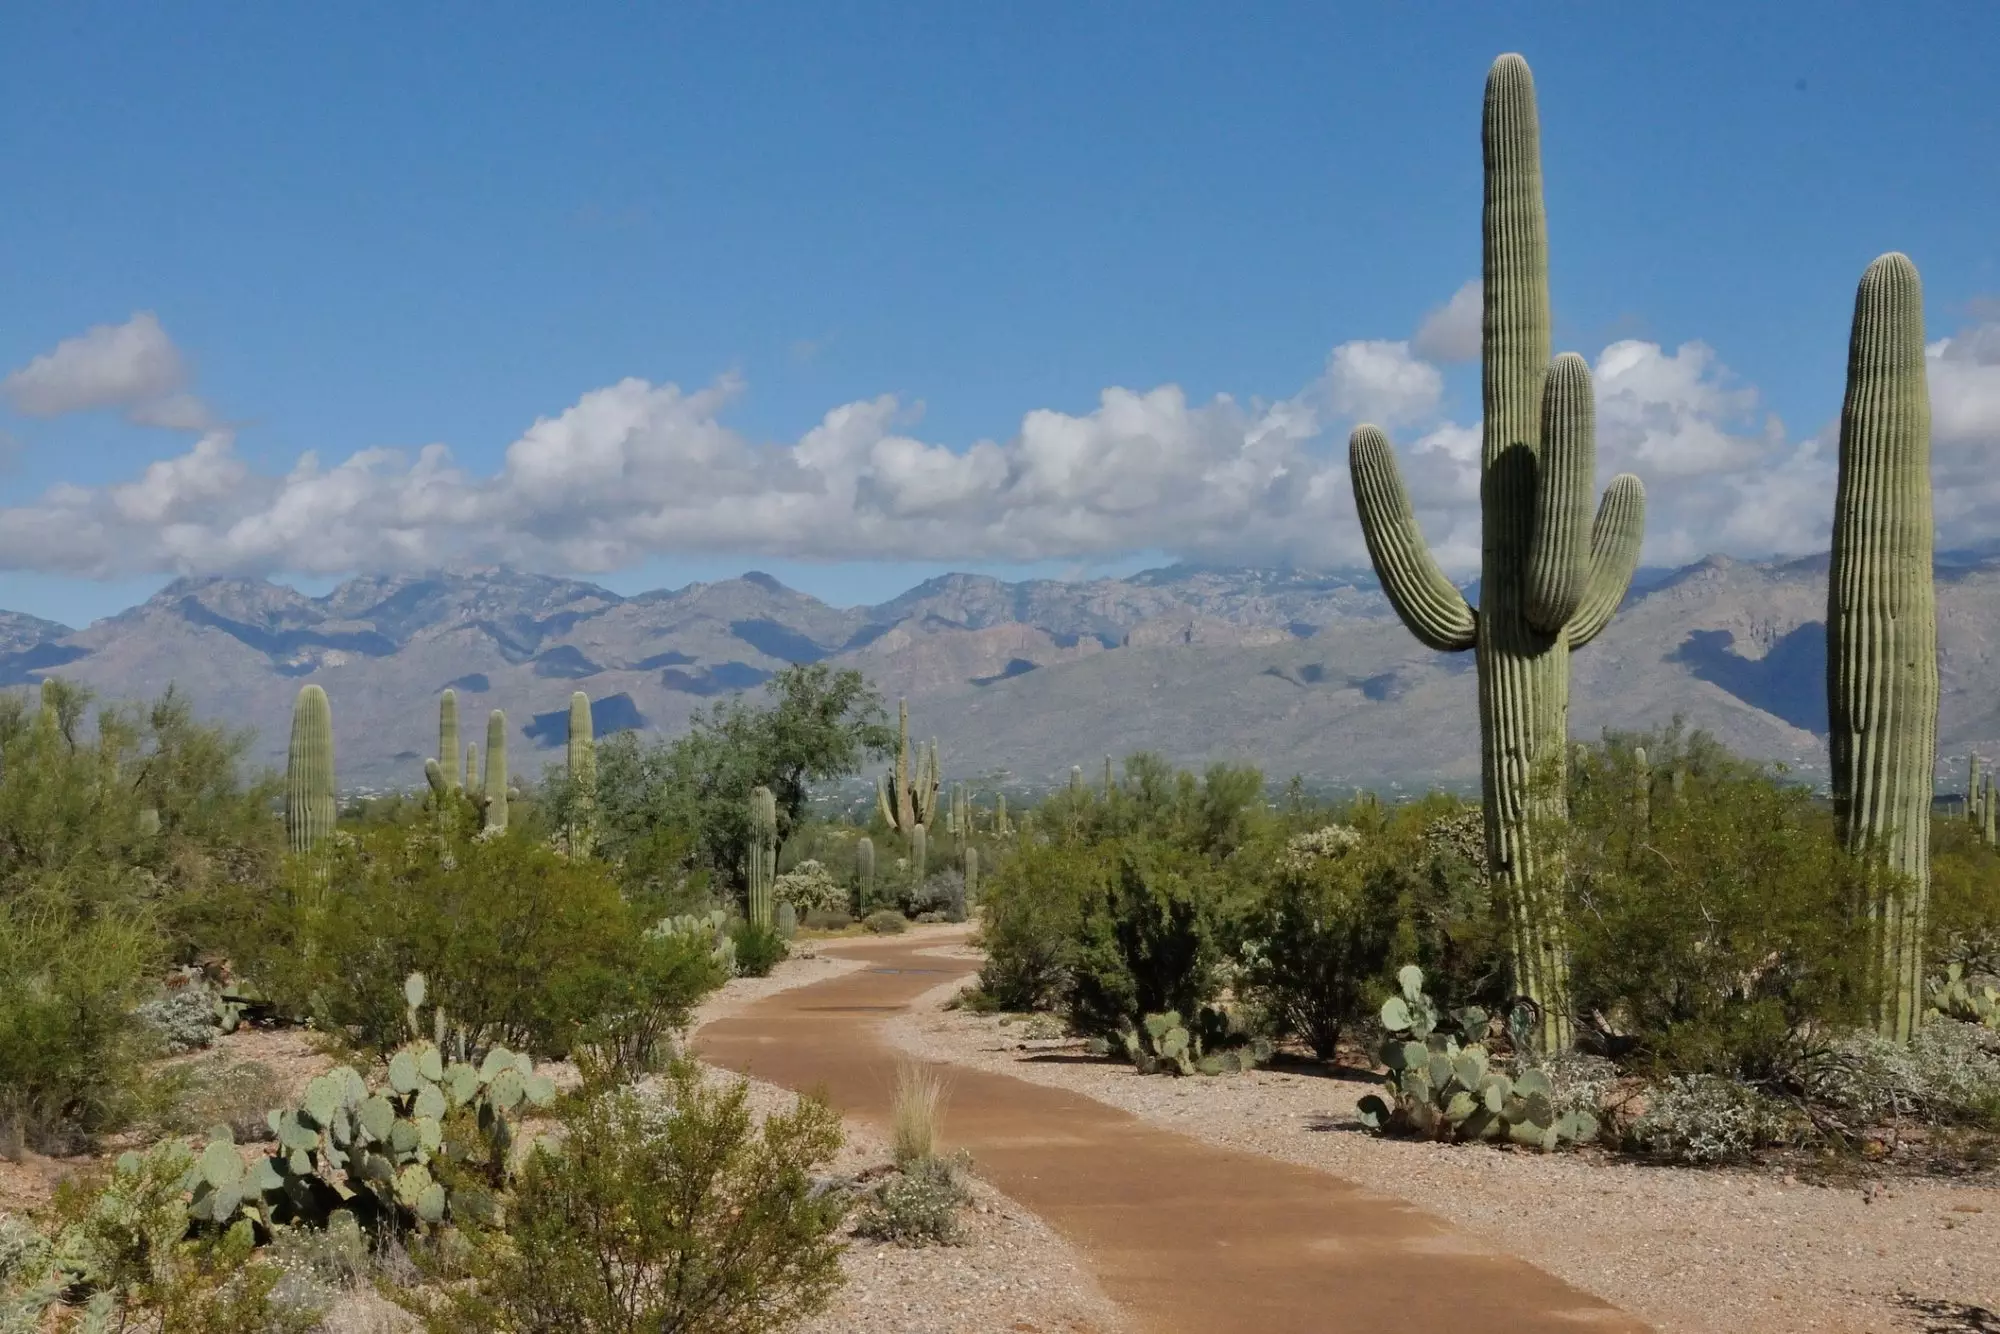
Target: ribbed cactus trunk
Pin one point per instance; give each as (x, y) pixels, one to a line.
(919, 855)
(472, 766)
(496, 771)
(448, 733)
(582, 756)
(1550, 578)
(1972, 788)
(1989, 814)
(762, 856)
(972, 875)
(864, 876)
(1881, 629)
(309, 778)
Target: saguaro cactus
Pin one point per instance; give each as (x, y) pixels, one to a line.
(907, 797)
(1989, 825)
(1546, 585)
(472, 766)
(972, 875)
(919, 855)
(1881, 628)
(448, 728)
(1642, 788)
(495, 796)
(763, 855)
(582, 756)
(309, 778)
(1972, 787)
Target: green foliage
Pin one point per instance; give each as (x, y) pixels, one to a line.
(885, 922)
(1146, 940)
(759, 949)
(1321, 940)
(1712, 939)
(676, 1214)
(1447, 1085)
(536, 952)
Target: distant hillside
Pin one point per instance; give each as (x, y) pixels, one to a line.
(1294, 671)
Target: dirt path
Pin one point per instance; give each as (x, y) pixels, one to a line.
(1189, 1237)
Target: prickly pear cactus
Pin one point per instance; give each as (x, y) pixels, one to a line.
(1163, 1045)
(712, 927)
(1447, 1087)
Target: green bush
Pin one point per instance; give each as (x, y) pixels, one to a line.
(759, 949)
(1032, 911)
(675, 1214)
(885, 922)
(1321, 942)
(1711, 931)
(1146, 941)
(527, 949)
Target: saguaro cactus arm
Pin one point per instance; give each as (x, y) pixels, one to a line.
(1558, 559)
(1615, 537)
(1429, 603)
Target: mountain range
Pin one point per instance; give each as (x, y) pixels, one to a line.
(1294, 671)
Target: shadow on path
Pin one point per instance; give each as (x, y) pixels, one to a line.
(1186, 1236)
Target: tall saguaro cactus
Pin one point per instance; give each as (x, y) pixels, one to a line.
(495, 795)
(864, 875)
(907, 797)
(1550, 578)
(763, 855)
(448, 732)
(581, 753)
(1881, 628)
(309, 779)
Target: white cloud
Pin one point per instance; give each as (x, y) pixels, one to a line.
(1451, 332)
(133, 367)
(634, 469)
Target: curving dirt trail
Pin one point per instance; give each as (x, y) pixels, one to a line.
(1188, 1237)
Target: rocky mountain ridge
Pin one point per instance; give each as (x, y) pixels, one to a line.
(1295, 671)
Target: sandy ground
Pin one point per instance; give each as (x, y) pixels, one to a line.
(1692, 1251)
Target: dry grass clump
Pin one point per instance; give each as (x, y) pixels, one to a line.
(916, 1113)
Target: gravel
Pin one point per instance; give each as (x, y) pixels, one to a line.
(1693, 1251)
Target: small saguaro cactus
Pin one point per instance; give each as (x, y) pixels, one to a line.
(1550, 578)
(1881, 629)
(762, 855)
(1989, 826)
(864, 875)
(972, 875)
(1108, 784)
(471, 766)
(309, 778)
(1076, 780)
(919, 854)
(1000, 825)
(1972, 788)
(495, 796)
(1642, 787)
(581, 754)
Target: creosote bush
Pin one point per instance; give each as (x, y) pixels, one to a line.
(667, 1211)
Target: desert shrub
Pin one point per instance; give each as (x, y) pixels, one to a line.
(72, 1051)
(1702, 1120)
(1964, 906)
(1949, 1072)
(942, 892)
(1146, 941)
(1033, 909)
(829, 919)
(1319, 945)
(659, 1213)
(183, 1016)
(809, 887)
(759, 949)
(530, 950)
(922, 1205)
(1711, 929)
(885, 922)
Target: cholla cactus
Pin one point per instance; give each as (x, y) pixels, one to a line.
(309, 779)
(1304, 851)
(808, 887)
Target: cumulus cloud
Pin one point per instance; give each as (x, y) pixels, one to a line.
(637, 468)
(133, 367)
(1451, 332)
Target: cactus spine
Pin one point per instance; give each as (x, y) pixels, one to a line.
(763, 855)
(496, 770)
(1550, 578)
(1881, 628)
(864, 875)
(309, 778)
(582, 757)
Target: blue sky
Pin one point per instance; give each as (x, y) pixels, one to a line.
(390, 228)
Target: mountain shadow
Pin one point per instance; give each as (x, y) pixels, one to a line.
(473, 682)
(722, 679)
(613, 713)
(23, 668)
(1015, 667)
(565, 662)
(777, 641)
(1789, 682)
